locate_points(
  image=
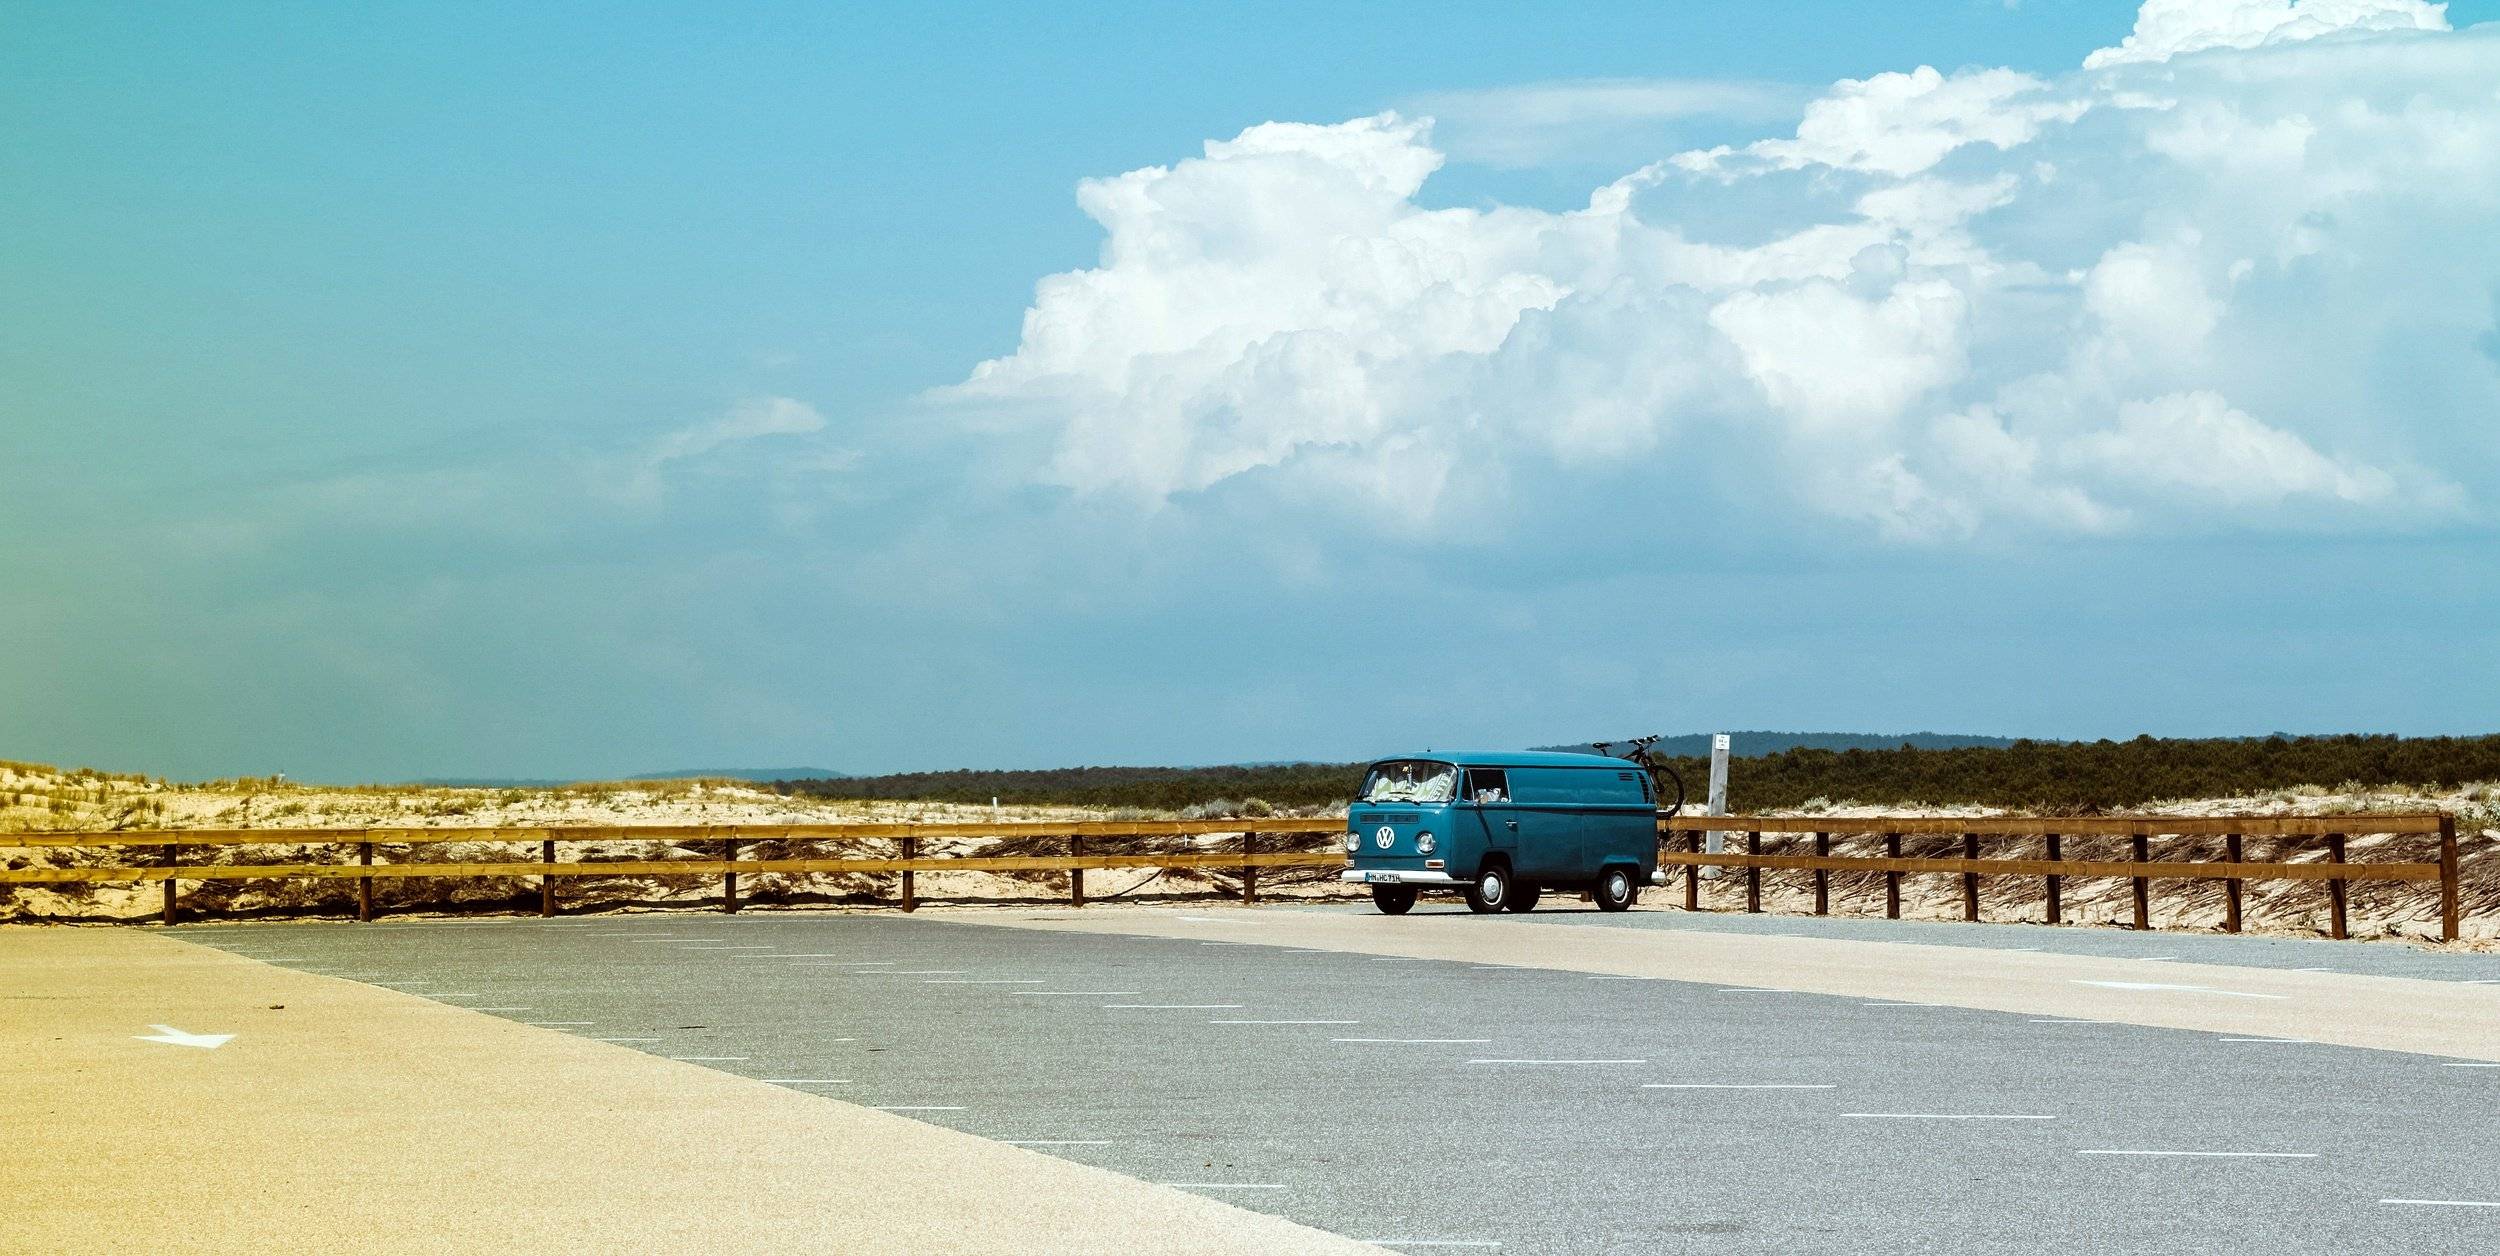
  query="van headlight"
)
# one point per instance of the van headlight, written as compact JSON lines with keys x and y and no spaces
{"x":1423,"y":843}
{"x":1353,"y":841}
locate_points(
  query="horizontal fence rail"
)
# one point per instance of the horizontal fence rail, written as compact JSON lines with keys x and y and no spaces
{"x":1086,"y":842}
{"x":909,"y":837}
{"x":2140,"y":868}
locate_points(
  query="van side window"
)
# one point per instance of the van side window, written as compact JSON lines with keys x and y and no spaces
{"x":1488,"y":785}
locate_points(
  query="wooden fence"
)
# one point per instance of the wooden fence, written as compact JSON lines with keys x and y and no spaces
{"x":2138,"y":866}
{"x":1085,"y":845}
{"x":1091,"y":845}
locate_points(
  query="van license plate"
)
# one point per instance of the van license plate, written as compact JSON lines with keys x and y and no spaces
{"x":1384,"y":878}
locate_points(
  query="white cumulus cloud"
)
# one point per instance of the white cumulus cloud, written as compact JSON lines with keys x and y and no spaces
{"x":2167,"y":28}
{"x":2249,"y":288}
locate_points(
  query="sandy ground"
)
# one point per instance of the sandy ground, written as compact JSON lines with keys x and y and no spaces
{"x":43,"y":798}
{"x":34,"y":798}
{"x":343,"y":1117}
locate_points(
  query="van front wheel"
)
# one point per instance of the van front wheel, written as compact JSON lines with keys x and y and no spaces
{"x":1616,"y":889}
{"x":1393,"y":900}
{"x":1491,"y":891}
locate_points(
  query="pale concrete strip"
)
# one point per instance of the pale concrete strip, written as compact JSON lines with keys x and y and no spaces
{"x":342,"y":1117}
{"x":2446,"y":1018}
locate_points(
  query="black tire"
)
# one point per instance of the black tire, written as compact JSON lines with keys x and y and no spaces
{"x":1491,"y":891}
{"x":1523,"y":896}
{"x":1393,"y":900}
{"x":1617,"y":888}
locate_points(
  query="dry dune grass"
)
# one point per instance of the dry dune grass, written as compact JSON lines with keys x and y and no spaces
{"x":34,"y":798}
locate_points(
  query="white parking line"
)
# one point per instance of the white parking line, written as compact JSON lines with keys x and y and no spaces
{"x":2446,"y":1203}
{"x":1418,"y":1042}
{"x":1951,"y":1116}
{"x":1738,"y":1086}
{"x":2155,"y":985}
{"x":1558,"y":1061}
{"x":2225,"y":1155}
{"x":1284,"y":1022}
{"x":1171,"y":1007}
{"x":2482,"y":981}
{"x":2467,"y":1064}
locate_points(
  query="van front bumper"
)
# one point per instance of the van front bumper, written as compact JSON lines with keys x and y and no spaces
{"x":1397,"y":876}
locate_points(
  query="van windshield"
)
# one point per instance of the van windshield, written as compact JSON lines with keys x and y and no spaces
{"x":1410,"y":780}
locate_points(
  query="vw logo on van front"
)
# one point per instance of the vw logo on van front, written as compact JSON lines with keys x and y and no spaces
{"x":1384,"y":836}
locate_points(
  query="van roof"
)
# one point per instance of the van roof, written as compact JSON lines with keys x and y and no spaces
{"x":1516,"y":759}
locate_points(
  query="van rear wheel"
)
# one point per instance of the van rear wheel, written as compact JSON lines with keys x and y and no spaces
{"x":1491,"y":890}
{"x":1616,"y":889}
{"x":1393,"y":900}
{"x":1523,"y":896}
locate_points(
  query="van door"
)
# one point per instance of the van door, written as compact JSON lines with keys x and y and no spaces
{"x":1497,"y":820}
{"x":1548,"y":833}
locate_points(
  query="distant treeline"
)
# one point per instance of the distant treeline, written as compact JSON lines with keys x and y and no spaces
{"x":2057,"y":776}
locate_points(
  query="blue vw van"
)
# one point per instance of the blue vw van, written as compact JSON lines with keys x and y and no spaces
{"x":1503,"y":827}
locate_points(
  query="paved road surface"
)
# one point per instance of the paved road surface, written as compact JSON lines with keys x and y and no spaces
{"x":1506,"y":1099}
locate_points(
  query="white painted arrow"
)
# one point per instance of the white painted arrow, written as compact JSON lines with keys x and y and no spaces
{"x":173,"y":1037}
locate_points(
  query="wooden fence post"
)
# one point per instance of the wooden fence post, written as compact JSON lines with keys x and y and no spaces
{"x":911,"y":897}
{"x":1076,"y":876}
{"x":364,"y":885}
{"x":1692,"y":872}
{"x":168,"y":859}
{"x":2448,"y":911}
{"x":1970,"y":880}
{"x":2143,"y":904}
{"x":2057,"y":885}
{"x":2231,"y":887}
{"x":1892,"y":880}
{"x":1822,"y":876}
{"x":729,"y":880}
{"x":2335,"y":889}
{"x":1249,"y":872}
{"x":1753,"y":876}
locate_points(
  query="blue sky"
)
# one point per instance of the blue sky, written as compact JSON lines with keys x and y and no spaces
{"x":572,"y":391}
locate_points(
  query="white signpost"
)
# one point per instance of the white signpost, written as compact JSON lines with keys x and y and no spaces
{"x":1715,"y":841}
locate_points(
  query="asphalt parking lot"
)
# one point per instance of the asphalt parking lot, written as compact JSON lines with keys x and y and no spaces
{"x":1423,"y":1104}
{"x":2376,"y":958}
